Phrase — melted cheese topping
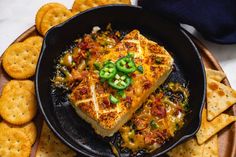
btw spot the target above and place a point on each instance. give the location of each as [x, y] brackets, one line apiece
[158, 119]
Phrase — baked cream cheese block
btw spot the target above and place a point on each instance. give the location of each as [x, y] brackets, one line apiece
[105, 104]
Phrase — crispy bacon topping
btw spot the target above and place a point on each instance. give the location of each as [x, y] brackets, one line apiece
[158, 110]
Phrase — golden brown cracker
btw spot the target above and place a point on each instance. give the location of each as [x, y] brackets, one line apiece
[14, 143]
[215, 75]
[41, 12]
[211, 147]
[219, 98]
[210, 128]
[35, 41]
[18, 84]
[54, 17]
[29, 129]
[19, 60]
[191, 148]
[81, 5]
[51, 146]
[18, 106]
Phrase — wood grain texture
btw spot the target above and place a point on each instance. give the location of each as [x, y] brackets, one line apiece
[227, 137]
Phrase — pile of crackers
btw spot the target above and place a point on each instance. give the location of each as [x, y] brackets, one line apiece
[53, 14]
[219, 98]
[18, 105]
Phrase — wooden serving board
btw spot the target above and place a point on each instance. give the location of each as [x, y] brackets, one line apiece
[227, 137]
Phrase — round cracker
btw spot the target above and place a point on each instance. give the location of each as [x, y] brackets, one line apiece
[41, 12]
[19, 60]
[18, 84]
[81, 5]
[54, 17]
[14, 143]
[28, 129]
[36, 41]
[18, 106]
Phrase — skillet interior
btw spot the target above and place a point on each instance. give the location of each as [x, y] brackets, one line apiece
[54, 105]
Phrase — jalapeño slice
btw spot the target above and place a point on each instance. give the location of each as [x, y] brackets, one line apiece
[108, 71]
[120, 81]
[126, 65]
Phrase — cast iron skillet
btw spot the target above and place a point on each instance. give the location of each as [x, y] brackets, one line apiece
[57, 110]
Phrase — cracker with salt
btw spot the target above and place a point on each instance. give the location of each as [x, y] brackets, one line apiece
[219, 98]
[210, 128]
[29, 129]
[35, 41]
[18, 84]
[19, 60]
[18, 106]
[211, 147]
[41, 12]
[215, 75]
[187, 149]
[81, 5]
[54, 17]
[51, 146]
[191, 148]
[14, 143]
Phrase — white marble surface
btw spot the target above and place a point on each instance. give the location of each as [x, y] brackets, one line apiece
[18, 15]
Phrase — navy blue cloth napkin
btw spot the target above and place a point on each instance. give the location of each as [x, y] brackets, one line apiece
[214, 19]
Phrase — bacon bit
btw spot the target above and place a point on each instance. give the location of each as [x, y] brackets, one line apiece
[158, 110]
[105, 103]
[128, 99]
[140, 123]
[83, 45]
[147, 84]
[133, 75]
[84, 73]
[161, 135]
[152, 68]
[83, 91]
[157, 100]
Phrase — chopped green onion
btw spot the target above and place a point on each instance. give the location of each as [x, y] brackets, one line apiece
[153, 124]
[113, 99]
[122, 94]
[159, 60]
[131, 55]
[97, 66]
[140, 68]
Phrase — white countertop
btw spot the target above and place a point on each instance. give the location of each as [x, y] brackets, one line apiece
[18, 15]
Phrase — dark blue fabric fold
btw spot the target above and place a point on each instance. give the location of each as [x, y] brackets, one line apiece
[214, 19]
